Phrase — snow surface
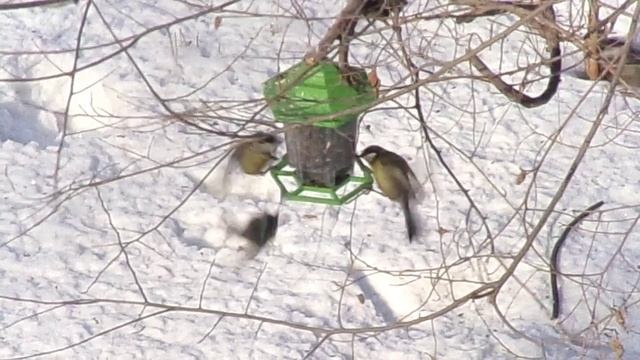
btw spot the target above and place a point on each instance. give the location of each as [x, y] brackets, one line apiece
[347, 271]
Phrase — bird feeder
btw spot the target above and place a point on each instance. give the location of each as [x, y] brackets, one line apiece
[313, 101]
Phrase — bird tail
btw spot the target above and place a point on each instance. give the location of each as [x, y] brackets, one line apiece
[408, 218]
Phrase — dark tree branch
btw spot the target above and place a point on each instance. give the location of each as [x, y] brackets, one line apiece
[539, 25]
[32, 4]
[556, 251]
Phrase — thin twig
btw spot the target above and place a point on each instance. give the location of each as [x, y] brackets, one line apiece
[120, 243]
[73, 73]
[94, 336]
[345, 20]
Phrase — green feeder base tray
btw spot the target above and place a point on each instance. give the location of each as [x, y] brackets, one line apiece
[292, 188]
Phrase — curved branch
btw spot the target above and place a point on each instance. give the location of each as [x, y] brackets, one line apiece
[547, 32]
[553, 266]
[520, 97]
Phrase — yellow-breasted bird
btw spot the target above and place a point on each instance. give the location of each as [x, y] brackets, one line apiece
[253, 155]
[394, 178]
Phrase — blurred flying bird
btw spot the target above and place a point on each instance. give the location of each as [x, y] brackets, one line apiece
[261, 229]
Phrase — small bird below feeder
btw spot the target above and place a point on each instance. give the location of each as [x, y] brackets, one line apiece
[245, 237]
[261, 229]
[395, 179]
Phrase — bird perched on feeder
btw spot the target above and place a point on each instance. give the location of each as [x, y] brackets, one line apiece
[394, 178]
[254, 154]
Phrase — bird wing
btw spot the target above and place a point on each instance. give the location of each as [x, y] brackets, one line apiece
[402, 175]
[391, 178]
[414, 186]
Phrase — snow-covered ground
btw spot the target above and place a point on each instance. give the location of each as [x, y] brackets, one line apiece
[109, 251]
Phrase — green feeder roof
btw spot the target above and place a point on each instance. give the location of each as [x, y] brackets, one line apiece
[303, 92]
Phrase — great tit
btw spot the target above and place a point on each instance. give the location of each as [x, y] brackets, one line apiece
[253, 155]
[395, 179]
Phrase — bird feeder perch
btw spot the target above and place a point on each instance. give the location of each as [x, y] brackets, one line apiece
[313, 101]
